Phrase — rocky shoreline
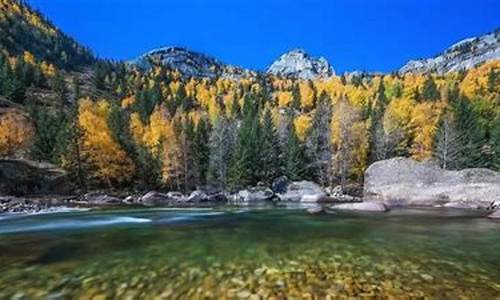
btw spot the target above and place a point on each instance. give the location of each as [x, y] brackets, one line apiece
[393, 183]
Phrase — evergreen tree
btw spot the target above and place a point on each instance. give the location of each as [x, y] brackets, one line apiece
[294, 154]
[245, 161]
[201, 151]
[495, 143]
[471, 134]
[269, 163]
[430, 91]
[318, 143]
[376, 113]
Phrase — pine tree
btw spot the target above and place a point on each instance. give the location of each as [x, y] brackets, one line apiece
[269, 163]
[245, 160]
[201, 151]
[318, 143]
[470, 133]
[293, 154]
[376, 114]
[495, 143]
[429, 90]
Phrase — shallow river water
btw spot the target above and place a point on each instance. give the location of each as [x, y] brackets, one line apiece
[249, 254]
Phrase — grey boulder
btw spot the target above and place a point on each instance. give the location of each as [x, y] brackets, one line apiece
[406, 182]
[303, 191]
[362, 206]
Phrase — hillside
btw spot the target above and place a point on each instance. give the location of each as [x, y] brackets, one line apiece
[175, 119]
[23, 29]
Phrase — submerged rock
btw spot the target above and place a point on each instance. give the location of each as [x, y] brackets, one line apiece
[362, 206]
[406, 182]
[303, 191]
[318, 210]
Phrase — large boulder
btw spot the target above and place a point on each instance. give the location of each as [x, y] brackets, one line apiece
[303, 191]
[362, 206]
[406, 182]
[160, 199]
[253, 195]
[97, 198]
[23, 177]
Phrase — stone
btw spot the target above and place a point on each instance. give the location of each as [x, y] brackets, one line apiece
[495, 215]
[405, 182]
[362, 206]
[303, 191]
[318, 210]
[96, 198]
[155, 199]
[254, 194]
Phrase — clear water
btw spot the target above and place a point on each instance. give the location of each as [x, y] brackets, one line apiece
[249, 254]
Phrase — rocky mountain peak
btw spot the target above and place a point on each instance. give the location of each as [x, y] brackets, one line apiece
[463, 55]
[188, 63]
[297, 63]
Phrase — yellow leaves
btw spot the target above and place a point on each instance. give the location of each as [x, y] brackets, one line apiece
[398, 114]
[15, 132]
[111, 164]
[476, 80]
[424, 120]
[284, 98]
[48, 69]
[29, 58]
[307, 95]
[302, 125]
[128, 101]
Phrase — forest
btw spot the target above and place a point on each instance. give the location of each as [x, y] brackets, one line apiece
[111, 125]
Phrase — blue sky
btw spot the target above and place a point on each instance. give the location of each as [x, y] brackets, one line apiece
[375, 35]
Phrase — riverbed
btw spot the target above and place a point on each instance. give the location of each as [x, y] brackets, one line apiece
[233, 253]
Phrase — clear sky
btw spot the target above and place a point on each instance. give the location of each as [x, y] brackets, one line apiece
[371, 35]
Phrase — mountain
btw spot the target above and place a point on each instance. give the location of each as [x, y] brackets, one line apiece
[188, 63]
[298, 64]
[463, 55]
[23, 29]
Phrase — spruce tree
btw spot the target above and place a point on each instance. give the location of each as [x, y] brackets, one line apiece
[318, 143]
[201, 151]
[294, 154]
[495, 143]
[245, 161]
[429, 90]
[269, 162]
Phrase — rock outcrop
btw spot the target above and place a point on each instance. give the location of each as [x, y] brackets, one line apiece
[463, 55]
[188, 63]
[22, 177]
[298, 64]
[406, 182]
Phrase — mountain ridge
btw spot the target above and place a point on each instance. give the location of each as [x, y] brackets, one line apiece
[462, 55]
